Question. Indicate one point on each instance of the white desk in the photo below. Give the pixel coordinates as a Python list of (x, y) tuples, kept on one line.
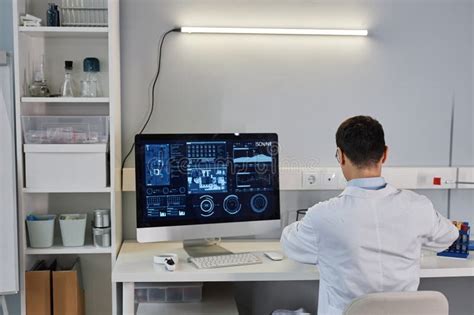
[(135, 264)]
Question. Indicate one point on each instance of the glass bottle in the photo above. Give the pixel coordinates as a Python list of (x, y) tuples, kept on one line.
[(39, 87), (90, 85), (66, 90), (52, 15)]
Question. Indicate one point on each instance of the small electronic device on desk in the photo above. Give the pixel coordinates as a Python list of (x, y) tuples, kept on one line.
[(198, 186), (460, 248)]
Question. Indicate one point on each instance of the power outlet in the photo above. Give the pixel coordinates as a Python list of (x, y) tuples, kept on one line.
[(322, 179), (330, 180), (309, 180)]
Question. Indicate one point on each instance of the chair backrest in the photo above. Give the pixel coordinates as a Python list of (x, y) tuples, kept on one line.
[(400, 303)]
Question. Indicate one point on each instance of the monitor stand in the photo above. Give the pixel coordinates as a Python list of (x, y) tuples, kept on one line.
[(203, 248)]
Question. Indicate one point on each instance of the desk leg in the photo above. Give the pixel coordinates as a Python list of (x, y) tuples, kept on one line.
[(128, 298), (4, 304)]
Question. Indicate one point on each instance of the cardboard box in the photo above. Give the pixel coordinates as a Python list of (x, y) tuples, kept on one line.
[(51, 291), (38, 292), (68, 293)]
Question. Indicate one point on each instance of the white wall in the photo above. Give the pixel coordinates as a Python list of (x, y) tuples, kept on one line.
[(416, 62)]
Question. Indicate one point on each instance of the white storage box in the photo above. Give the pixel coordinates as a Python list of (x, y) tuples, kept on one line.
[(66, 166)]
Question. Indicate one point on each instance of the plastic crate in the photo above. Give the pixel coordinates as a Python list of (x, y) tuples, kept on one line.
[(168, 292), (84, 13), (460, 248), (65, 129)]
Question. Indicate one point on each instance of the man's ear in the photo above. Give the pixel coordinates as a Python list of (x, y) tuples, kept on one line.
[(385, 155), (343, 158), (340, 156)]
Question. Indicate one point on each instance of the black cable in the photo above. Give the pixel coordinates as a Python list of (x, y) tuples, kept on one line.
[(152, 103)]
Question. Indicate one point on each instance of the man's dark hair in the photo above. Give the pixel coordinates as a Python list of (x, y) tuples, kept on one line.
[(362, 140)]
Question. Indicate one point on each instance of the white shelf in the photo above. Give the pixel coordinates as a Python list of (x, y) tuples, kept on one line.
[(48, 31), (61, 250), (65, 99), (66, 190), (55, 43)]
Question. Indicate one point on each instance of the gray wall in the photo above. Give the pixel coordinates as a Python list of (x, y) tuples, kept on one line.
[(416, 62)]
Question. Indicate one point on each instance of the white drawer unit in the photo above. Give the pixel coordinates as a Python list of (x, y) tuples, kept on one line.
[(71, 166)]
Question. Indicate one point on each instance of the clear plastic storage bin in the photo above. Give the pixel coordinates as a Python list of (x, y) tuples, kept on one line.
[(168, 292), (65, 129), (84, 13)]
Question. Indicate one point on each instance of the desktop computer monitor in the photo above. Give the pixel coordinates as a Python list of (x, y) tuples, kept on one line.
[(196, 186)]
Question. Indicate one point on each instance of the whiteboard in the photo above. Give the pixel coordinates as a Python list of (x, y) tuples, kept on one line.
[(8, 213)]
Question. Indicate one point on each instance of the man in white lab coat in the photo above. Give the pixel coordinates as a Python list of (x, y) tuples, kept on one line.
[(369, 238)]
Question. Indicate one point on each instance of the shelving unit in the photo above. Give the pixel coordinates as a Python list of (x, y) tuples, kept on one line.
[(68, 32), (26, 99), (65, 190), (58, 44), (61, 250)]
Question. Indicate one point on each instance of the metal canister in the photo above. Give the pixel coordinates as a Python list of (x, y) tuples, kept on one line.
[(101, 237), (102, 218)]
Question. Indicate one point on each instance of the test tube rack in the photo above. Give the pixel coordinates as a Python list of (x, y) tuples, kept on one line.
[(460, 247)]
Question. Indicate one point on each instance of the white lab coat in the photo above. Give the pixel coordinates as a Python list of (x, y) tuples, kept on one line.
[(367, 241)]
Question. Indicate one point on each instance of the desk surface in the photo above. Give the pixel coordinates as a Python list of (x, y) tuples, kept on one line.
[(135, 264)]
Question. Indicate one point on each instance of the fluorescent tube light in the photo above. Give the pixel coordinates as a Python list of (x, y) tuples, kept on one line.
[(273, 31)]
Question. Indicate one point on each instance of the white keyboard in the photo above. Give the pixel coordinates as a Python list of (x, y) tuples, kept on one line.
[(218, 261)]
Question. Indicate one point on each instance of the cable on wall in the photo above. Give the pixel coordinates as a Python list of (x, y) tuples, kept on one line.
[(153, 92)]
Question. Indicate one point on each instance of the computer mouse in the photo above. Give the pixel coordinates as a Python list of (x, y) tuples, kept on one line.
[(276, 256)]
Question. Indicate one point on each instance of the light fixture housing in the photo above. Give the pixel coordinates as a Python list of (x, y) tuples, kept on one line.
[(273, 31)]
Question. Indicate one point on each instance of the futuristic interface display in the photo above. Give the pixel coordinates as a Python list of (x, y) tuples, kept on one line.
[(157, 165), (205, 181), (207, 169)]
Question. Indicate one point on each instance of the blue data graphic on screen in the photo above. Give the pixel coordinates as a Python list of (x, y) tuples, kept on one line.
[(208, 180), (207, 167), (253, 165), (157, 164)]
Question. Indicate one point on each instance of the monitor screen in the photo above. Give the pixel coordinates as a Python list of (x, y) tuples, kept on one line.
[(185, 179)]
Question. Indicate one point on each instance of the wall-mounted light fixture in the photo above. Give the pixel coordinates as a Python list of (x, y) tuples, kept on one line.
[(273, 31)]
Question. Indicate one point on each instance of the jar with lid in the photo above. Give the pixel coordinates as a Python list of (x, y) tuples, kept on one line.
[(90, 86), (101, 218)]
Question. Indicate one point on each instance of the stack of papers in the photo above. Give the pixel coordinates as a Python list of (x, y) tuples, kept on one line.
[(30, 20)]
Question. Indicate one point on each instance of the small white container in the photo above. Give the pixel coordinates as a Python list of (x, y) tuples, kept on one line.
[(41, 230), (66, 166), (73, 229), (101, 237)]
